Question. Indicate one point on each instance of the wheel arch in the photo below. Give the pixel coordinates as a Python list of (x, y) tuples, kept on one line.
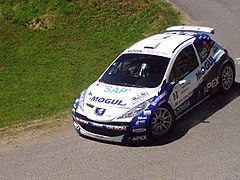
[(227, 60), (230, 63), (165, 103), (166, 106)]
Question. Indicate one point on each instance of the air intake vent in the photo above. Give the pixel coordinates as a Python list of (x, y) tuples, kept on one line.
[(152, 46)]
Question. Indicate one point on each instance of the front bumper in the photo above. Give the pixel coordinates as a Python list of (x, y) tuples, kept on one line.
[(83, 132), (118, 133)]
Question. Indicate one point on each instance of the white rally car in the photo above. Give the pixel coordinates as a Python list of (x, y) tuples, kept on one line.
[(153, 83)]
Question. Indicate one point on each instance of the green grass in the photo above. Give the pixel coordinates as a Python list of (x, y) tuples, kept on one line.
[(44, 68)]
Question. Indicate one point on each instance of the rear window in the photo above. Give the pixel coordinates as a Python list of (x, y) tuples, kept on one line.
[(203, 49)]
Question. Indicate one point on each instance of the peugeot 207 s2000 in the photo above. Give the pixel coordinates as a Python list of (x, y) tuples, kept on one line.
[(153, 83)]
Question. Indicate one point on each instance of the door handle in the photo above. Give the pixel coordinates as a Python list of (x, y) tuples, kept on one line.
[(182, 82)]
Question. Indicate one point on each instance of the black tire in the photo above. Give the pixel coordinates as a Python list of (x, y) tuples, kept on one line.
[(226, 78), (162, 120)]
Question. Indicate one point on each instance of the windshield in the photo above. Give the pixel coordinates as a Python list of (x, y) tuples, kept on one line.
[(137, 70)]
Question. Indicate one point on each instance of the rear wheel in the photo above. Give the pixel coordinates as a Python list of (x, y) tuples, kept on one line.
[(162, 121), (227, 77)]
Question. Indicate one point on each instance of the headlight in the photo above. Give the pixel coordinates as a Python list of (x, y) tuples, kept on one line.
[(81, 99), (136, 110)]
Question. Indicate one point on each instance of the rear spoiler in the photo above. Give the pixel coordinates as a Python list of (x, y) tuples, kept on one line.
[(201, 29)]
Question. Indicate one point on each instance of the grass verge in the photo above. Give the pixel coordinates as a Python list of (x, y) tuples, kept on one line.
[(52, 50)]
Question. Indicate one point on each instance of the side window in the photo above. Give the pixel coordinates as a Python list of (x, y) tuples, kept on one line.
[(203, 49), (184, 64)]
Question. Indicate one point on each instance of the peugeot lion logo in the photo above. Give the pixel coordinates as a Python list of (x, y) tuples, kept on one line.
[(100, 111)]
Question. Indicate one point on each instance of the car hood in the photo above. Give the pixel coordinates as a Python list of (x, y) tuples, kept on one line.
[(105, 102)]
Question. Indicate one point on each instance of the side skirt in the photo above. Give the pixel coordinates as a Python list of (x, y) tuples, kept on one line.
[(193, 107)]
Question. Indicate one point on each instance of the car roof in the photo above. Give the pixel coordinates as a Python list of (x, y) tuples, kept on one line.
[(161, 44)]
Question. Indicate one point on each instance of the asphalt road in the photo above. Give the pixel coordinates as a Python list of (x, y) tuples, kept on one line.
[(205, 143)]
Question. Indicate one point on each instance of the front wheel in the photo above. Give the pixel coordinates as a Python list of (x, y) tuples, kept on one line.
[(162, 120), (226, 78)]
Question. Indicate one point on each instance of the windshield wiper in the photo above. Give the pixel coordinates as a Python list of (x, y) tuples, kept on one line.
[(130, 85), (121, 83), (108, 82)]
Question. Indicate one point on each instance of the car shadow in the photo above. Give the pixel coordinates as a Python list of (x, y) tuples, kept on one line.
[(198, 115)]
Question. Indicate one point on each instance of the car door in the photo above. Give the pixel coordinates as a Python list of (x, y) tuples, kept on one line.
[(183, 80), (209, 79)]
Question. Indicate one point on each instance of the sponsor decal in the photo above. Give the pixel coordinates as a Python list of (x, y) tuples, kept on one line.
[(116, 128), (147, 112), (140, 138), (175, 95), (76, 126), (140, 122), (117, 90), (176, 103), (186, 84), (205, 67), (89, 94), (99, 111), (204, 53), (73, 110), (111, 127), (140, 96), (184, 98), (75, 105), (107, 101), (211, 85), (184, 90), (76, 101), (134, 50), (140, 117), (139, 130), (215, 49), (182, 108)]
